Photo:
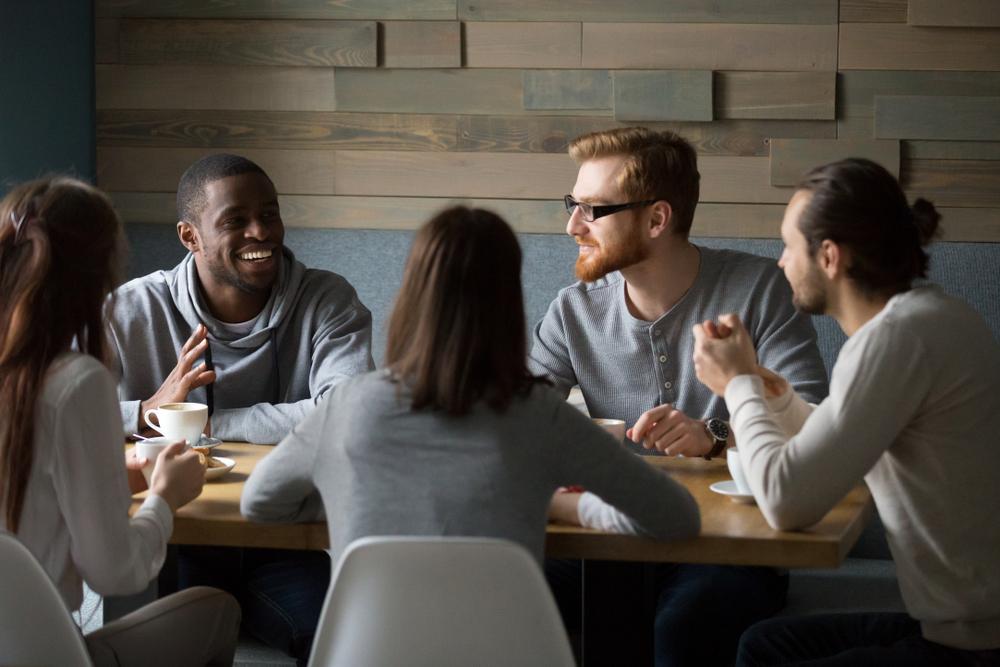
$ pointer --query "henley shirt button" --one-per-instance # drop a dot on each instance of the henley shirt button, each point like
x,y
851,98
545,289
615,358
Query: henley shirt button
x,y
668,385
663,358
656,332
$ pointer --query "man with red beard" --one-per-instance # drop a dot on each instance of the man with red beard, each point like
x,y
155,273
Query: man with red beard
x,y
623,333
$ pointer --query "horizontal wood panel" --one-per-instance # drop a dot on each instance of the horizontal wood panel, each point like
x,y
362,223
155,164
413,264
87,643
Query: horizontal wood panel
x,y
778,95
959,183
643,95
905,47
709,46
873,11
937,117
723,178
424,10
249,42
461,91
857,88
418,174
431,132
676,11
215,87
567,89
525,216
490,175
951,150
277,129
552,135
971,13
792,158
853,127
159,169
522,44
422,44
106,40
974,225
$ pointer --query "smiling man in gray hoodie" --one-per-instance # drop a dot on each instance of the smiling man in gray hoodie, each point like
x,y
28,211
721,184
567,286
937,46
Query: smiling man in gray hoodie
x,y
280,337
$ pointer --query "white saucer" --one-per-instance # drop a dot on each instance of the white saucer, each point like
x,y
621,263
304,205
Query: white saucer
x,y
216,473
207,442
728,488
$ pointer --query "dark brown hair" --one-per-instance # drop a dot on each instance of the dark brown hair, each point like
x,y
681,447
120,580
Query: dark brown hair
x,y
658,165
457,331
60,245
858,204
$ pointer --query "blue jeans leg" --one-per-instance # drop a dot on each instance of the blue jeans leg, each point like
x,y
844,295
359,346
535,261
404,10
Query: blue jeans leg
x,y
842,640
280,591
703,609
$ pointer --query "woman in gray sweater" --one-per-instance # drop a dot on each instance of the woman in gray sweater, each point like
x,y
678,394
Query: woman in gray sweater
x,y
455,436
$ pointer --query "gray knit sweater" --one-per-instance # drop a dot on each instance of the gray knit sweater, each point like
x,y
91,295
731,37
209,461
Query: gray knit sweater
x,y
383,469
625,365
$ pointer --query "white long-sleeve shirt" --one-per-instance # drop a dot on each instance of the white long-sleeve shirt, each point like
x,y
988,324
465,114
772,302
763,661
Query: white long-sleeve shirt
x,y
75,514
913,404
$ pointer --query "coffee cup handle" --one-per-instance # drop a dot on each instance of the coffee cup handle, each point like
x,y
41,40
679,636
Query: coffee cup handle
x,y
155,427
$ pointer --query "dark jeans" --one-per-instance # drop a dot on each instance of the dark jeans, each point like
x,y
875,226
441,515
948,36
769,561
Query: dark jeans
x,y
698,612
280,591
882,639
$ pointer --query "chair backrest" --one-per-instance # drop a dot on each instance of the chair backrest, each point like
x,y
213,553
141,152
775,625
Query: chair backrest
x,y
439,601
35,626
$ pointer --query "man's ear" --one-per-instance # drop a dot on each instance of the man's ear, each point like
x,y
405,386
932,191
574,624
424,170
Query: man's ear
x,y
189,236
832,259
660,219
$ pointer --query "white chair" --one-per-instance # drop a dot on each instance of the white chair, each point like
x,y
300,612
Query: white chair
x,y
439,601
35,626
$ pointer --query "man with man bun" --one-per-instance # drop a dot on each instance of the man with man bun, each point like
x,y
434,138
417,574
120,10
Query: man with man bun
x,y
911,411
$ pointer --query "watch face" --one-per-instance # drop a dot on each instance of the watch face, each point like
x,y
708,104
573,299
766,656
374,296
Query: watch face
x,y
718,428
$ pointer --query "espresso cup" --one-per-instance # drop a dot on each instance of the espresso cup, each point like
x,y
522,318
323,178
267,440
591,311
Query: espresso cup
x,y
179,421
615,427
736,470
149,449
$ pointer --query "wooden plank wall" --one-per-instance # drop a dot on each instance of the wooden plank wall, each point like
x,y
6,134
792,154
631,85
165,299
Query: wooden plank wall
x,y
374,113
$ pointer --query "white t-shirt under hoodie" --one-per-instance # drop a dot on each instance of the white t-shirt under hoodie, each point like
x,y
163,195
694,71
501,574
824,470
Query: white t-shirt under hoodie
x,y
75,514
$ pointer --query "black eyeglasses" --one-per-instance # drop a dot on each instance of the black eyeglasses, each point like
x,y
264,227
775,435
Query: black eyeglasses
x,y
591,213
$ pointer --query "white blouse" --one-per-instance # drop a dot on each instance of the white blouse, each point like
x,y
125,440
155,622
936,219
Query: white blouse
x,y
75,515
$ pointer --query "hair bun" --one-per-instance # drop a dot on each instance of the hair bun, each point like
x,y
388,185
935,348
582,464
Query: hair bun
x,y
926,219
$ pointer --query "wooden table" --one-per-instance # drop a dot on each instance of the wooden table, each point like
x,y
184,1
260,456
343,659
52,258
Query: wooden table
x,y
731,534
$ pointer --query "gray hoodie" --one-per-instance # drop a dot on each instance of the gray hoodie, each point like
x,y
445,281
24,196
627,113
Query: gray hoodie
x,y
312,334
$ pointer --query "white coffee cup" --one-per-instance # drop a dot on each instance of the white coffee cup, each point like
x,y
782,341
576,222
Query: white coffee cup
x,y
736,470
615,427
179,421
149,449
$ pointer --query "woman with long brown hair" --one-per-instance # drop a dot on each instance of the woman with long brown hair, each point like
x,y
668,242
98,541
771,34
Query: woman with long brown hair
x,y
455,437
64,488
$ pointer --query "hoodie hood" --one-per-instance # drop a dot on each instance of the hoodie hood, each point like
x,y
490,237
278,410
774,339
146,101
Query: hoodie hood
x,y
186,293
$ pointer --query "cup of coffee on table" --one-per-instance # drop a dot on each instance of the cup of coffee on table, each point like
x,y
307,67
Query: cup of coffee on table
x,y
736,470
179,421
149,449
615,427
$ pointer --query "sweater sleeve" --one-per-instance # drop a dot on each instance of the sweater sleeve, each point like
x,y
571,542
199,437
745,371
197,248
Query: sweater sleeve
x,y
645,500
549,355
281,486
114,554
876,390
341,349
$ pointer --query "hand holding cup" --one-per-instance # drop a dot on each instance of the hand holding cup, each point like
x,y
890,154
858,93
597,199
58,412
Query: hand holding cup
x,y
178,475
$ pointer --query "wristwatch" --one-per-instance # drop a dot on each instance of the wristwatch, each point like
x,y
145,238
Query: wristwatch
x,y
718,431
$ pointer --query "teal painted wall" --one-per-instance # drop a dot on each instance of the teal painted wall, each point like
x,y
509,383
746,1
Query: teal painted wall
x,y
46,89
